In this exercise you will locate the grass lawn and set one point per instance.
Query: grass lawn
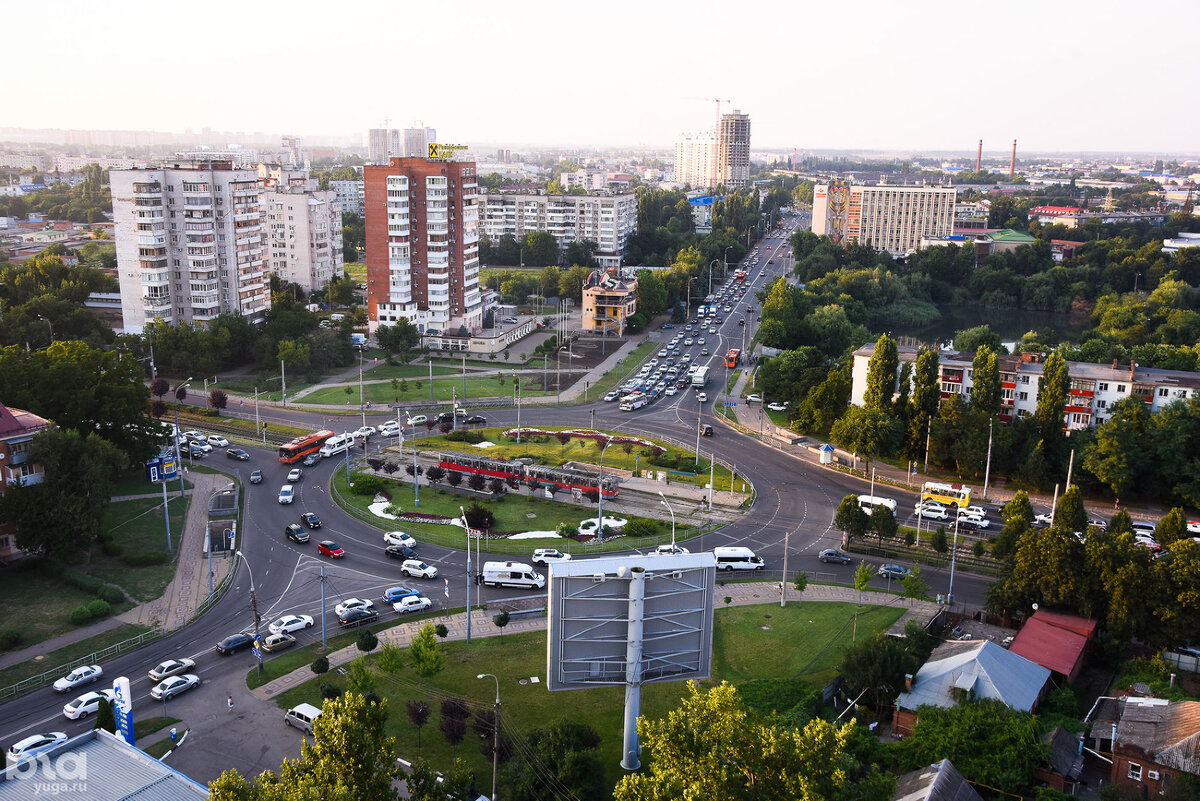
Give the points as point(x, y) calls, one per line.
point(445, 388)
point(26, 580)
point(581, 449)
point(68, 653)
point(159, 748)
point(136, 527)
point(142, 728)
point(750, 642)
point(133, 482)
point(357, 270)
point(629, 366)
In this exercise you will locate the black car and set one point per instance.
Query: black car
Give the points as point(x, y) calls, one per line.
point(195, 452)
point(446, 417)
point(238, 454)
point(295, 532)
point(234, 643)
point(358, 617)
point(256, 477)
point(311, 520)
point(476, 420)
point(400, 552)
point(834, 555)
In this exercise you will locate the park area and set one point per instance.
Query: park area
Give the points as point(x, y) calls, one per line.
point(797, 648)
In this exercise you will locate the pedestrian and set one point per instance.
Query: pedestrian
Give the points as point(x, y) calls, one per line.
point(231, 703)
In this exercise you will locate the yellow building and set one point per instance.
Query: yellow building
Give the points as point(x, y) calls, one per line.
point(609, 299)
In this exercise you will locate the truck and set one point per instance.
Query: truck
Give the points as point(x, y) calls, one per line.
point(512, 574)
point(358, 341)
point(632, 401)
point(700, 377)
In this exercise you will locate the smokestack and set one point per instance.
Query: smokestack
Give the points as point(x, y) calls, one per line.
point(1012, 165)
point(979, 157)
point(908, 682)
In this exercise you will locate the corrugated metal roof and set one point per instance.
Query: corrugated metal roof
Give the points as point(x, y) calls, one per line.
point(940, 781)
point(1053, 641)
point(982, 668)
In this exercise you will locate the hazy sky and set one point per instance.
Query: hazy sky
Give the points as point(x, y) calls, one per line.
point(883, 75)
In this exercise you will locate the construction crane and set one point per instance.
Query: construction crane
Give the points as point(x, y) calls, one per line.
point(716, 135)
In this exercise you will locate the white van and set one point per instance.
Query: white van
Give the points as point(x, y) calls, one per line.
point(737, 558)
point(512, 574)
point(302, 716)
point(868, 503)
point(336, 444)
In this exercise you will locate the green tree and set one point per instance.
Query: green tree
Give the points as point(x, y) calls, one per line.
point(970, 340)
point(294, 354)
point(565, 750)
point(914, 583)
point(851, 519)
point(881, 375)
point(106, 719)
point(713, 747)
point(570, 285)
point(501, 620)
point(866, 432)
point(425, 653)
point(926, 395)
point(862, 578)
point(1119, 456)
point(1070, 515)
point(985, 382)
point(550, 278)
point(877, 665)
point(1172, 527)
point(424, 784)
point(1018, 517)
point(1051, 404)
point(399, 337)
point(883, 523)
point(541, 248)
point(651, 294)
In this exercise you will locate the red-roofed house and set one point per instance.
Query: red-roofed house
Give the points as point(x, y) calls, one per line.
point(1048, 215)
point(1056, 641)
point(17, 429)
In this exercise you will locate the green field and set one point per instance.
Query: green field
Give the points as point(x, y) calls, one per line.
point(136, 527)
point(445, 389)
point(68, 653)
point(803, 641)
point(629, 367)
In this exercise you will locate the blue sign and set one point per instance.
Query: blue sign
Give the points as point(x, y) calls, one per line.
point(257, 653)
point(730, 403)
point(163, 467)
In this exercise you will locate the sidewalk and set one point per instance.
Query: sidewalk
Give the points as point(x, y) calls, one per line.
point(740, 594)
point(182, 597)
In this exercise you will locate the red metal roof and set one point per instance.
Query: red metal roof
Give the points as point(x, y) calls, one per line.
point(1054, 640)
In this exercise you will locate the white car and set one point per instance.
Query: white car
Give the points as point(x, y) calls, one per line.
point(971, 511)
point(711, 331)
point(195, 436)
point(547, 555)
point(218, 441)
point(36, 744)
point(411, 603)
point(294, 475)
point(289, 623)
point(172, 667)
point(974, 521)
point(688, 341)
point(389, 429)
point(87, 704)
point(201, 446)
point(417, 420)
point(777, 407)
point(932, 510)
point(286, 494)
point(365, 432)
point(672, 390)
point(755, 398)
point(611, 396)
point(352, 603)
point(78, 677)
point(701, 396)
point(668, 550)
point(700, 341)
point(1043, 520)
point(415, 567)
point(169, 688)
point(399, 538)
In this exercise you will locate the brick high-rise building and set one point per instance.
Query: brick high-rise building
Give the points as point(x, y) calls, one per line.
point(733, 150)
point(422, 237)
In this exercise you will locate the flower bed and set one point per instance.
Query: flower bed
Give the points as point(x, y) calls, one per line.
point(595, 436)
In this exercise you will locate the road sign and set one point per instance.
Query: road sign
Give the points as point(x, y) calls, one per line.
point(730, 403)
point(257, 653)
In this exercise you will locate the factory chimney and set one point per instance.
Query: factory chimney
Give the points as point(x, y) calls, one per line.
point(1012, 165)
point(979, 157)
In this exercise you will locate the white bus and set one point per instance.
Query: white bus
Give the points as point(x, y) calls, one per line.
point(737, 558)
point(339, 443)
point(700, 377)
point(868, 503)
point(632, 401)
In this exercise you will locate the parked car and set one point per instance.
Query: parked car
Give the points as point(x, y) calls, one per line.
point(237, 454)
point(277, 642)
point(217, 441)
point(169, 688)
point(234, 643)
point(289, 623)
point(35, 744)
point(172, 667)
point(197, 452)
point(835, 556)
point(358, 617)
point(754, 398)
point(195, 436)
point(393, 594)
point(256, 477)
point(415, 567)
point(777, 407)
point(78, 677)
point(400, 552)
point(311, 520)
point(399, 538)
point(352, 603)
point(201, 445)
point(892, 571)
point(294, 475)
point(295, 532)
point(87, 704)
point(411, 603)
point(547, 555)
point(331, 549)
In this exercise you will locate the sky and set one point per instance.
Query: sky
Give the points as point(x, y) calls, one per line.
point(842, 74)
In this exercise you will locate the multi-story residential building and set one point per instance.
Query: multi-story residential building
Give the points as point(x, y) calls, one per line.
point(609, 300)
point(591, 180)
point(350, 195)
point(23, 161)
point(378, 145)
point(17, 430)
point(607, 220)
point(696, 159)
point(1093, 391)
point(190, 243)
point(891, 218)
point(304, 235)
point(422, 237)
point(416, 142)
point(733, 150)
point(80, 163)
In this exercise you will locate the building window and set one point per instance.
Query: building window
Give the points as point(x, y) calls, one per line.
point(1135, 771)
point(1162, 392)
point(1023, 396)
point(1104, 386)
point(1120, 387)
point(1101, 404)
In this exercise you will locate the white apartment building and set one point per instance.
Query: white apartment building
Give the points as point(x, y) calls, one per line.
point(304, 235)
point(1094, 387)
point(350, 196)
point(23, 161)
point(891, 218)
point(417, 141)
point(190, 243)
point(696, 159)
point(80, 163)
point(607, 220)
point(591, 180)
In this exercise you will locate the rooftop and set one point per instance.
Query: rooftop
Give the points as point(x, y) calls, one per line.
point(980, 669)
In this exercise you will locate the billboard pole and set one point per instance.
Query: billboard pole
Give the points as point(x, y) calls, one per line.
point(633, 667)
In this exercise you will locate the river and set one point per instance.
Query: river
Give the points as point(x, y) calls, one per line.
point(1010, 324)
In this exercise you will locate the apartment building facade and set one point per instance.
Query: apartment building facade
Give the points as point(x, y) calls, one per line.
point(609, 300)
point(607, 220)
point(696, 159)
point(891, 218)
point(422, 237)
point(1093, 390)
point(304, 235)
point(190, 243)
point(733, 150)
point(17, 429)
point(349, 196)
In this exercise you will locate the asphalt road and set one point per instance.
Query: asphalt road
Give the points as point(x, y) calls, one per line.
point(794, 506)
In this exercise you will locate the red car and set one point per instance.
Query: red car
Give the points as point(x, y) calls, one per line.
point(331, 549)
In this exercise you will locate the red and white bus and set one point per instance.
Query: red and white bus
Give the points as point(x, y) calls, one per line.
point(300, 447)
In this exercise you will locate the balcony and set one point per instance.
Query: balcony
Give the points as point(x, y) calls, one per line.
point(152, 240)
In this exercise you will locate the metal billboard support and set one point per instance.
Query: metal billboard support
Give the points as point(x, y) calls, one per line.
point(633, 667)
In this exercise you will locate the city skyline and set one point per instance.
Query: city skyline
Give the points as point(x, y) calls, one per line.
point(867, 76)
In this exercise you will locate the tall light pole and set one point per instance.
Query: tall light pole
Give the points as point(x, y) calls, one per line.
point(672, 511)
point(953, 559)
point(361, 403)
point(710, 266)
point(725, 262)
point(254, 609)
point(208, 542)
point(178, 456)
point(495, 729)
point(51, 325)
point(600, 496)
point(470, 578)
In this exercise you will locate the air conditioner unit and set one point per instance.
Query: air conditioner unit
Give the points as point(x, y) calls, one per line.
point(1152, 774)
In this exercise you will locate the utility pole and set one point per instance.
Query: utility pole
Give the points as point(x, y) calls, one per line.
point(987, 471)
point(783, 583)
point(361, 403)
point(470, 578)
point(928, 431)
point(283, 381)
point(324, 642)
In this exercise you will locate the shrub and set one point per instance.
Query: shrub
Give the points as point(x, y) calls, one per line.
point(82, 581)
point(640, 527)
point(476, 481)
point(111, 547)
point(112, 594)
point(979, 549)
point(99, 608)
point(367, 641)
point(367, 485)
point(144, 559)
point(454, 478)
point(320, 665)
point(330, 690)
point(10, 639)
point(80, 615)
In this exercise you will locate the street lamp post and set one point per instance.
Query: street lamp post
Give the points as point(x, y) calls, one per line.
point(953, 559)
point(495, 730)
point(710, 266)
point(362, 407)
point(725, 262)
point(672, 511)
point(254, 609)
point(208, 537)
point(178, 456)
point(600, 489)
point(51, 325)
